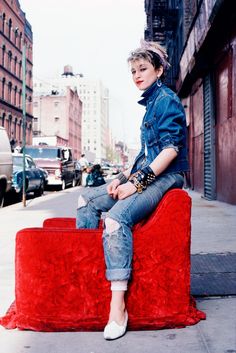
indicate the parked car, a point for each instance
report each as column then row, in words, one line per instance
column 5, row 165
column 57, row 161
column 34, row 177
column 110, row 170
column 45, row 175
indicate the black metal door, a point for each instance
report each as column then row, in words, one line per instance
column 209, row 140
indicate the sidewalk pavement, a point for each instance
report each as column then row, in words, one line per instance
column 213, row 232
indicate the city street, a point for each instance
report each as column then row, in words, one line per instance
column 213, row 234
column 143, row 91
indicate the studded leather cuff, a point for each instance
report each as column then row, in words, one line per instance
column 142, row 178
column 148, row 175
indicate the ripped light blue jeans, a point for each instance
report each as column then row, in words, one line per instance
column 118, row 244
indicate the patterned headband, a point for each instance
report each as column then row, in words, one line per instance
column 155, row 48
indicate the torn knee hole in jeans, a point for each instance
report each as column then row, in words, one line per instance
column 111, row 225
column 81, row 202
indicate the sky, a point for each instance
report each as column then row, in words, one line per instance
column 95, row 38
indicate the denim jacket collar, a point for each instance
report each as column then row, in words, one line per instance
column 148, row 93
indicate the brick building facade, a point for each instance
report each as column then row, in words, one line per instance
column 15, row 31
column 202, row 51
column 58, row 114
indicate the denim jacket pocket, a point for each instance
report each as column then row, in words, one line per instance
column 150, row 132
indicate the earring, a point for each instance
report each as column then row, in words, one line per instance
column 159, row 83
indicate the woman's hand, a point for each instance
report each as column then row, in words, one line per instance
column 112, row 187
column 125, row 190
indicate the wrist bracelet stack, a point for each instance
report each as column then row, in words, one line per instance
column 142, row 178
column 122, row 178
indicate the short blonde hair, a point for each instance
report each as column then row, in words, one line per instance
column 152, row 52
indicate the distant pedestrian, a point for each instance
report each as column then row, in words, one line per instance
column 18, row 147
column 78, row 173
column 95, row 176
column 134, row 194
column 12, row 144
column 83, row 161
column 83, row 164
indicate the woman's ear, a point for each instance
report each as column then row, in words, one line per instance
column 160, row 71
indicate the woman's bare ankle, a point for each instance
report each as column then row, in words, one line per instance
column 117, row 312
column 117, row 307
column 117, row 315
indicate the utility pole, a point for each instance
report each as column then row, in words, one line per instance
column 24, row 118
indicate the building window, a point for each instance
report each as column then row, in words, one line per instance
column 19, row 130
column 30, row 77
column 15, row 92
column 16, row 35
column 56, row 104
column 20, row 91
column 20, row 40
column 9, row 60
column 3, row 87
column 56, row 119
column 20, row 67
column 3, row 54
column 3, row 22
column 3, row 119
column 15, row 62
column 9, row 92
column 9, row 28
column 15, row 123
column 9, row 126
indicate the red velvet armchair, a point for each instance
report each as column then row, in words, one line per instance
column 60, row 282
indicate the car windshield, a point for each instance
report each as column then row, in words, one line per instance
column 17, row 163
column 50, row 153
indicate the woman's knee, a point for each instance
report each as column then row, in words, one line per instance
column 111, row 225
column 81, row 202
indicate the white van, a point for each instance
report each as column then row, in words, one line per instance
column 5, row 164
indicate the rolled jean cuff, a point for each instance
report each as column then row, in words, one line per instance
column 122, row 274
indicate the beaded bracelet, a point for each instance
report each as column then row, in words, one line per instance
column 122, row 178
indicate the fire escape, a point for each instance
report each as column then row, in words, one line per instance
column 164, row 25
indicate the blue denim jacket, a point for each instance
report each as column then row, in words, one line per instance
column 163, row 126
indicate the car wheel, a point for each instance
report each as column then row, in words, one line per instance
column 73, row 182
column 63, row 185
column 39, row 191
column 19, row 195
column 79, row 179
column 1, row 198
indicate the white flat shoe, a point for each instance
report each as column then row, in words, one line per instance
column 113, row 331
